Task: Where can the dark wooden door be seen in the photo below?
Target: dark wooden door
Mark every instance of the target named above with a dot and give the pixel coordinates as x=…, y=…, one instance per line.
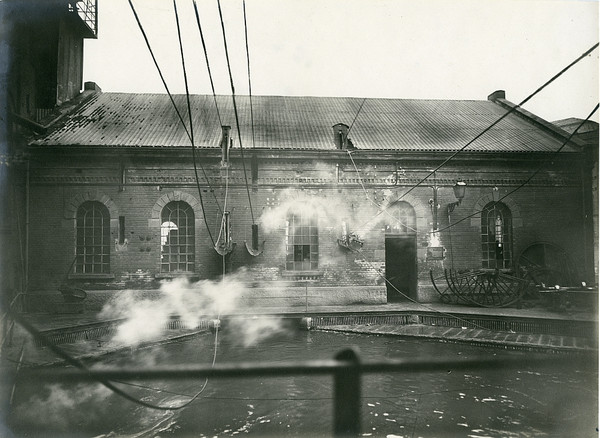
x=401, y=267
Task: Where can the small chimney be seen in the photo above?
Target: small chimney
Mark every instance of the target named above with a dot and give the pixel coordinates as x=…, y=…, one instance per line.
x=91, y=86
x=225, y=145
x=498, y=94
x=340, y=135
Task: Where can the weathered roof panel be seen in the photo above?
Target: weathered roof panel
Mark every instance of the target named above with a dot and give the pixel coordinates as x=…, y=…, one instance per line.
x=286, y=122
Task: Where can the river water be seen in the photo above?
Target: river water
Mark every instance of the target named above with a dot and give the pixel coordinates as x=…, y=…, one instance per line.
x=526, y=402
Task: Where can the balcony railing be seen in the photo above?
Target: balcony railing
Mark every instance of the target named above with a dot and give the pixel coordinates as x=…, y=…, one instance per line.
x=87, y=11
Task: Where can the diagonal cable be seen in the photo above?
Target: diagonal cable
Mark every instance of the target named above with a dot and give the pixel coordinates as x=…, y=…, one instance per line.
x=556, y=76
x=237, y=121
x=212, y=85
x=249, y=81
x=538, y=170
x=189, y=108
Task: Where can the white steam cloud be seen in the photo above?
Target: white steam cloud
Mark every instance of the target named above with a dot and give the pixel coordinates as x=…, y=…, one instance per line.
x=255, y=329
x=63, y=408
x=361, y=217
x=146, y=319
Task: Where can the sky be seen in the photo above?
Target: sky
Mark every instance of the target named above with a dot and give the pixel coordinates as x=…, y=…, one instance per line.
x=408, y=49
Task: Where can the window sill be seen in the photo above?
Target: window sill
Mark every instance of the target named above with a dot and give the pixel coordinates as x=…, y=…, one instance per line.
x=171, y=275
x=91, y=276
x=290, y=274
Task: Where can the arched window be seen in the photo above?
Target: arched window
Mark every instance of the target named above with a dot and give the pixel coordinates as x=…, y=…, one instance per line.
x=177, y=242
x=496, y=236
x=302, y=242
x=92, y=248
x=400, y=219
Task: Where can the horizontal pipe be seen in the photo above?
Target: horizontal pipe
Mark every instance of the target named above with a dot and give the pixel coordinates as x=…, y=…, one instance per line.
x=314, y=367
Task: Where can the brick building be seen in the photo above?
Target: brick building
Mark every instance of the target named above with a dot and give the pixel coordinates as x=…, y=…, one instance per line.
x=326, y=198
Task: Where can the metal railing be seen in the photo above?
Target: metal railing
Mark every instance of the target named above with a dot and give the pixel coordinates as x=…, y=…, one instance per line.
x=346, y=368
x=87, y=11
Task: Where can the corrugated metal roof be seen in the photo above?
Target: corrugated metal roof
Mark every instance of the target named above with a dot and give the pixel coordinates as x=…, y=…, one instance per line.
x=285, y=122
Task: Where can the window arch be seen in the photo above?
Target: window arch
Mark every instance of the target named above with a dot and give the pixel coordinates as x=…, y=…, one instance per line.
x=302, y=241
x=177, y=238
x=496, y=236
x=401, y=219
x=92, y=248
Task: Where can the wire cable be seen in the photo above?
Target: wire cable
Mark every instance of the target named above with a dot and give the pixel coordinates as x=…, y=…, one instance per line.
x=212, y=85
x=249, y=81
x=510, y=111
x=80, y=365
x=189, y=108
x=180, y=117
x=373, y=201
x=162, y=78
x=355, y=117
x=538, y=170
x=237, y=121
x=358, y=251
x=556, y=76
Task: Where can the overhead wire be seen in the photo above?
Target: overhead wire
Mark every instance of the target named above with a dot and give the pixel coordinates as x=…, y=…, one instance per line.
x=162, y=78
x=506, y=114
x=81, y=366
x=249, y=81
x=423, y=305
x=358, y=173
x=355, y=117
x=187, y=94
x=179, y=116
x=502, y=117
x=524, y=183
x=462, y=149
x=212, y=85
x=396, y=219
x=554, y=154
x=189, y=108
x=237, y=121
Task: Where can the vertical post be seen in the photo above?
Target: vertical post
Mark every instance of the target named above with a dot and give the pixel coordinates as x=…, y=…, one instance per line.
x=347, y=395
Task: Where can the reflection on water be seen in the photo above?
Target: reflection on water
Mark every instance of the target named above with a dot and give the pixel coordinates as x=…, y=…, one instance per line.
x=553, y=402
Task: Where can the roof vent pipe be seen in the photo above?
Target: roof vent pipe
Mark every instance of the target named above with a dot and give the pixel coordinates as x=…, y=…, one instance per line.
x=498, y=94
x=340, y=136
x=225, y=145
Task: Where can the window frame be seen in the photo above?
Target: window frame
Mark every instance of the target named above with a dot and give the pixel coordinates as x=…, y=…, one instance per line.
x=178, y=257
x=99, y=233
x=496, y=226
x=405, y=217
x=302, y=242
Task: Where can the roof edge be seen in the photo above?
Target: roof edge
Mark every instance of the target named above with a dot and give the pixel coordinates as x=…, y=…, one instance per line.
x=499, y=97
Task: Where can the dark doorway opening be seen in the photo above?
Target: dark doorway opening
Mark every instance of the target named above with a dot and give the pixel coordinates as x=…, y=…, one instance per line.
x=401, y=267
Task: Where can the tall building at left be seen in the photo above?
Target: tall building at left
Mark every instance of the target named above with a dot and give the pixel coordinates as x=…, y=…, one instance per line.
x=41, y=71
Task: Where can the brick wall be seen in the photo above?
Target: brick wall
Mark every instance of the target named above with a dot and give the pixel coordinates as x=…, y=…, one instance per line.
x=547, y=210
